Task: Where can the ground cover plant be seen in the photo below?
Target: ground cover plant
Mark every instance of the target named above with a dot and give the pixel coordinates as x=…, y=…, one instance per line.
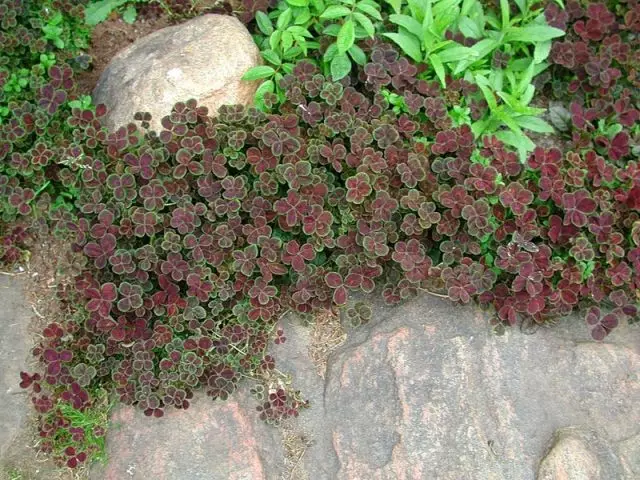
x=191, y=242
x=41, y=42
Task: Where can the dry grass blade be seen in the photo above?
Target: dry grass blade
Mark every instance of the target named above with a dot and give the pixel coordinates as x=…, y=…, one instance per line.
x=327, y=334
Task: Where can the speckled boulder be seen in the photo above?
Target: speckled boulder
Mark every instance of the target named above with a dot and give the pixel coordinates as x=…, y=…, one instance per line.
x=204, y=59
x=425, y=391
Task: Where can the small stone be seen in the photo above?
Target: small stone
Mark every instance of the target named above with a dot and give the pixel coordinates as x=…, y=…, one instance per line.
x=203, y=59
x=570, y=458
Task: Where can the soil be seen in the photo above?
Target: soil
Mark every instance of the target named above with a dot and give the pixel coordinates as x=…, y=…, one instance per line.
x=109, y=38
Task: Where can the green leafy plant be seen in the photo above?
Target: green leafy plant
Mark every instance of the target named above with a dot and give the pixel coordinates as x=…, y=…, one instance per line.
x=354, y=21
x=516, y=91
x=98, y=11
x=501, y=54
x=191, y=242
x=288, y=34
x=83, y=436
x=427, y=33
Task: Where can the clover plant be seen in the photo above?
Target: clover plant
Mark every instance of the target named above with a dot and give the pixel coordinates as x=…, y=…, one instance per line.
x=188, y=244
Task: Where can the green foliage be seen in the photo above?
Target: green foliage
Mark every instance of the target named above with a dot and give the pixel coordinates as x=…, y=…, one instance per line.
x=33, y=38
x=39, y=42
x=460, y=39
x=515, y=90
x=98, y=11
x=189, y=244
x=289, y=32
x=84, y=432
x=15, y=474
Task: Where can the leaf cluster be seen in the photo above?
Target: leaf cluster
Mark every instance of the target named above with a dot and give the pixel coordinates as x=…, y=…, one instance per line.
x=500, y=52
x=195, y=239
x=291, y=32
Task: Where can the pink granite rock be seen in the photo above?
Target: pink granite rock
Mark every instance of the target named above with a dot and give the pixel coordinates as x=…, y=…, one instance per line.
x=210, y=440
x=426, y=391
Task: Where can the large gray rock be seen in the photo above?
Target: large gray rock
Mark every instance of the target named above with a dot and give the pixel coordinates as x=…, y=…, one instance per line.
x=203, y=59
x=427, y=391
x=208, y=441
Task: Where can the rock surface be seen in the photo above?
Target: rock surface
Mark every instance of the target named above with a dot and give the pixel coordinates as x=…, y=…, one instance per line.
x=578, y=455
x=15, y=343
x=426, y=391
x=203, y=59
x=208, y=441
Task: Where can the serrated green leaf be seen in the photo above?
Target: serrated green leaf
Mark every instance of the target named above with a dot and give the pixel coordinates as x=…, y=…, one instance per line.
x=438, y=66
x=299, y=31
x=357, y=55
x=335, y=11
x=303, y=17
x=274, y=39
x=265, y=87
x=318, y=5
x=256, y=73
x=408, y=43
x=395, y=4
x=271, y=57
x=369, y=9
x=284, y=19
x=407, y=22
x=332, y=51
x=364, y=21
x=332, y=30
x=298, y=3
x=535, y=124
x=532, y=34
x=340, y=67
x=264, y=23
x=296, y=50
x=97, y=12
x=129, y=15
x=346, y=36
x=286, y=40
